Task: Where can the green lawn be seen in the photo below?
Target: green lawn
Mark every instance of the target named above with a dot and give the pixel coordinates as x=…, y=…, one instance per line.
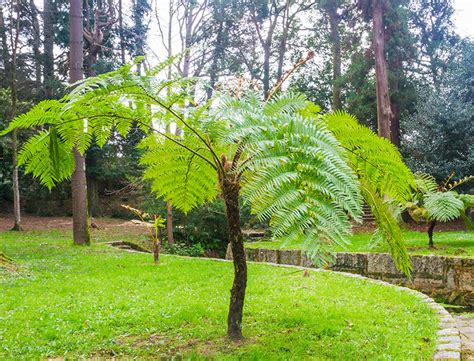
x=446, y=243
x=72, y=302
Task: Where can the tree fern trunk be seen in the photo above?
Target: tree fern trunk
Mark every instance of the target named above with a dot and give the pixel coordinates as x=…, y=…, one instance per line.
x=430, y=233
x=230, y=189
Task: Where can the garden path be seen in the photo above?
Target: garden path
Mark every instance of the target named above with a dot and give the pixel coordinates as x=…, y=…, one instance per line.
x=466, y=328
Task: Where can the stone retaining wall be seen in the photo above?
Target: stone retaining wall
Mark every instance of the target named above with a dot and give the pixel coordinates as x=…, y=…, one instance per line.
x=450, y=278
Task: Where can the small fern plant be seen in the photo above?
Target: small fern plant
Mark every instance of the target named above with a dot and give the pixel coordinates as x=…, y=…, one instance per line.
x=279, y=154
x=432, y=202
x=153, y=223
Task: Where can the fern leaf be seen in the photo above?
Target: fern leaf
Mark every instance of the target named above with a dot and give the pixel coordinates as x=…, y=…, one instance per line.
x=443, y=206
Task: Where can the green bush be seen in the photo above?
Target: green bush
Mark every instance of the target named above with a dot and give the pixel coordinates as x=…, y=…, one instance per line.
x=183, y=249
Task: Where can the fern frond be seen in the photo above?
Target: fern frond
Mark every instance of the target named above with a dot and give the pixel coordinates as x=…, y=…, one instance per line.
x=388, y=228
x=372, y=157
x=296, y=175
x=425, y=183
x=178, y=175
x=383, y=175
x=285, y=103
x=443, y=206
x=49, y=166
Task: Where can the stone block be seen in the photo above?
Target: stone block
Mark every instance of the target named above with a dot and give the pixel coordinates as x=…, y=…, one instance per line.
x=455, y=346
x=291, y=257
x=271, y=256
x=466, y=279
x=452, y=331
x=447, y=356
x=351, y=262
x=449, y=339
x=306, y=261
x=382, y=264
x=428, y=265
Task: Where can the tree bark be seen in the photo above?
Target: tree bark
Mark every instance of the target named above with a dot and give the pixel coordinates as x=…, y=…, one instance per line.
x=14, y=36
x=384, y=112
x=4, y=47
x=266, y=67
x=156, y=251
x=48, y=45
x=120, y=21
x=16, y=185
x=430, y=233
x=169, y=223
x=93, y=197
x=81, y=227
x=230, y=186
x=216, y=56
x=331, y=10
x=35, y=29
x=396, y=112
x=284, y=39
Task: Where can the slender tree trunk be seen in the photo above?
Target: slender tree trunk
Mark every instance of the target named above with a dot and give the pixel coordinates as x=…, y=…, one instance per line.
x=230, y=189
x=120, y=21
x=4, y=47
x=336, y=56
x=169, y=223
x=396, y=68
x=156, y=251
x=93, y=197
x=188, y=15
x=48, y=45
x=81, y=230
x=284, y=38
x=266, y=67
x=16, y=185
x=216, y=56
x=384, y=112
x=14, y=100
x=430, y=233
x=396, y=113
x=36, y=43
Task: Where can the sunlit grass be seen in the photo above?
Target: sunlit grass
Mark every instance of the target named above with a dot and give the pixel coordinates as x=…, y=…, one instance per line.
x=73, y=302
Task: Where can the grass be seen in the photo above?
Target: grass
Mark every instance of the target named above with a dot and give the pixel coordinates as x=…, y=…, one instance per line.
x=74, y=302
x=446, y=243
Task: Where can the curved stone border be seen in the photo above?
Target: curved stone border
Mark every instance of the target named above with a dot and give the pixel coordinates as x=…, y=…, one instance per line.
x=448, y=345
x=450, y=278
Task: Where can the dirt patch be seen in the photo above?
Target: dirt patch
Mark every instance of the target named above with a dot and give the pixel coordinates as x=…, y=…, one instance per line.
x=33, y=223
x=175, y=347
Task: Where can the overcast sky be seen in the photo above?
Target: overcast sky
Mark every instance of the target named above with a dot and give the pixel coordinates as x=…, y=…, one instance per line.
x=464, y=17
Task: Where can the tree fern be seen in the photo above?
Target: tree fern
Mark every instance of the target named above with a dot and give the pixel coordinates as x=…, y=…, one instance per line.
x=434, y=203
x=303, y=172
